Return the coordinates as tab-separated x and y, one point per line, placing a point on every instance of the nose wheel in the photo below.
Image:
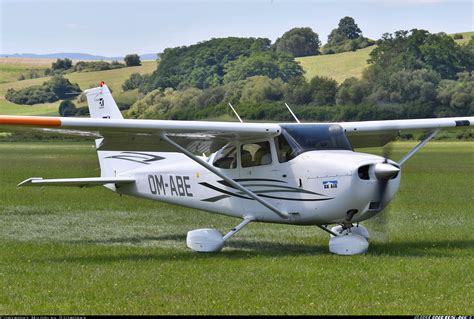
348	239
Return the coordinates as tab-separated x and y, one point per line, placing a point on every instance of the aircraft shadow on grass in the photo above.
242	249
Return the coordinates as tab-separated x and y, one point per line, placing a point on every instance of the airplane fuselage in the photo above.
316	187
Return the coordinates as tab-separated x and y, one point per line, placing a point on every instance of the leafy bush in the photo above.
67	108
56	88
31	95
136	81
91	66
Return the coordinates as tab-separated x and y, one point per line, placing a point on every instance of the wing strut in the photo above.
294	116
418	147
224	177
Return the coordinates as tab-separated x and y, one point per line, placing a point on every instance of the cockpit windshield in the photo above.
297	139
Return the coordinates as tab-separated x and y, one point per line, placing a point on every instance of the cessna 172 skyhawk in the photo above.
300	174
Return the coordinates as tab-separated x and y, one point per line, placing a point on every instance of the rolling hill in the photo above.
345	65
337	66
113	78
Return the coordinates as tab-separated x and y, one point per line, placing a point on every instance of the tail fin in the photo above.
102	104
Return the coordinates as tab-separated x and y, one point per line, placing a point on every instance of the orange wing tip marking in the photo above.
30	120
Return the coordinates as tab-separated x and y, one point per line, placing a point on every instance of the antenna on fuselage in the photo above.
289	109
235	112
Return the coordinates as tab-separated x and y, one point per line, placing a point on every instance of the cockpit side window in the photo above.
226	158
286	151
315	137
255	154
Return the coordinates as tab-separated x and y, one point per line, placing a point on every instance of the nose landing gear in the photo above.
348	239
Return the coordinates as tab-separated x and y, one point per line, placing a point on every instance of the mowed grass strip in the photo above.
90	251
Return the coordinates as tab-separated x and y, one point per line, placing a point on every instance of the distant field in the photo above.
466	37
337	66
344	65
113	78
90	251
11	68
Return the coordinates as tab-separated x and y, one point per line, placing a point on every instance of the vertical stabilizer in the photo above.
101	103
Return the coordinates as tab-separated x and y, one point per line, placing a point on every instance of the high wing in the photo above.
206	136
378	133
142	135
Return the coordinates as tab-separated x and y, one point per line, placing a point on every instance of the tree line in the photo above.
410	74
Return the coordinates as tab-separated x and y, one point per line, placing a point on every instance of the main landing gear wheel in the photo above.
208	240
349	241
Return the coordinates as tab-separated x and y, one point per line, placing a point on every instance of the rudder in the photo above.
101	103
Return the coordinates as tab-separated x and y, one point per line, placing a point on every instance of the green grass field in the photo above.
466	37
337	66
90	251
10	69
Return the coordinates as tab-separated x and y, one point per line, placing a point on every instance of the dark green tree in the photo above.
135	81
270	64
323	90
202	65
419	49
62	87
67	108
132	60
299	42
352	91
61	65
348	28
346	37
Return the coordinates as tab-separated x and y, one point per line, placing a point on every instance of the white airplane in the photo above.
299	174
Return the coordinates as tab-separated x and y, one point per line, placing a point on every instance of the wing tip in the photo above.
29	181
30	120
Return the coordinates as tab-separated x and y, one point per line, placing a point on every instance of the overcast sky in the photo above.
117	27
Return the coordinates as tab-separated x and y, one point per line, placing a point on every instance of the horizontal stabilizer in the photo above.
79	182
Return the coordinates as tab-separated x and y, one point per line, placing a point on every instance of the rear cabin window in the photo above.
226	158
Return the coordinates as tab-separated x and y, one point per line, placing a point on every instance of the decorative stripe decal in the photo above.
222	191
281	188
258	180
143	158
30	120
262	193
296	199
215	199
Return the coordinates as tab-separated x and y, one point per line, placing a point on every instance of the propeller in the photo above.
383	172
